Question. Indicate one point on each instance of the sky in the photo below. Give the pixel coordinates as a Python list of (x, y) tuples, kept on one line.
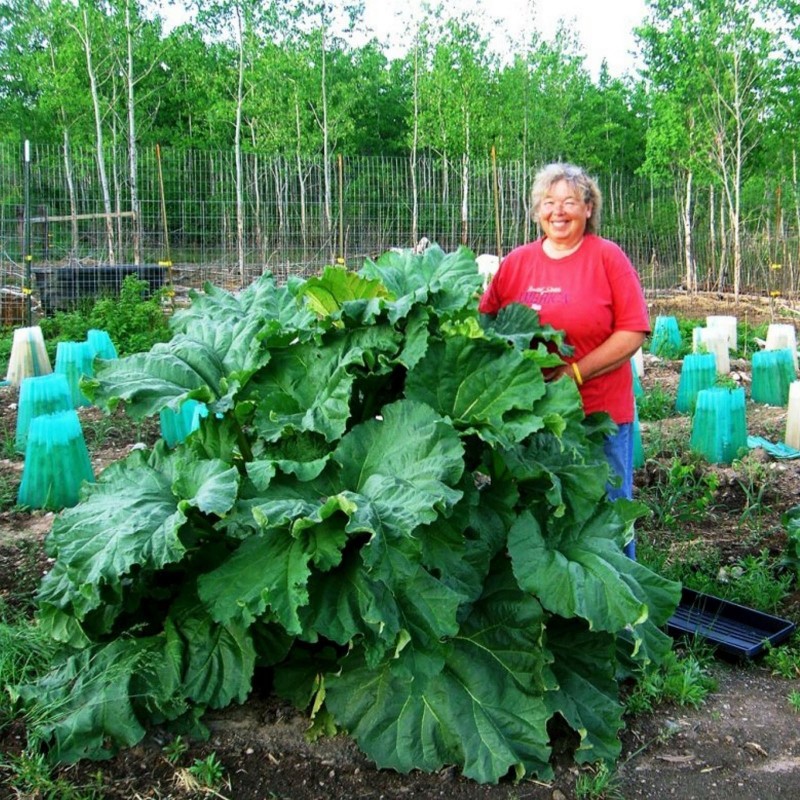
[(604, 27)]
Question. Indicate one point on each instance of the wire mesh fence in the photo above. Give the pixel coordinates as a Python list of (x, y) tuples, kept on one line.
[(192, 216)]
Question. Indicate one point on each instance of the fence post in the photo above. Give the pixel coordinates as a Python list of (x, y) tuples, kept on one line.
[(28, 290)]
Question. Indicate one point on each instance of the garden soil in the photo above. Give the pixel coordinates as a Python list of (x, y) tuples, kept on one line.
[(743, 743)]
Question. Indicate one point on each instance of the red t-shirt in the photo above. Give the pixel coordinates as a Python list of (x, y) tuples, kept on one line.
[(589, 294)]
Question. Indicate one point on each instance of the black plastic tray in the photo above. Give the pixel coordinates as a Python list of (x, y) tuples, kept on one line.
[(734, 629)]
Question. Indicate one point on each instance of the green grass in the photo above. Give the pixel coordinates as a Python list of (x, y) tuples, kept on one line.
[(599, 782), (756, 581), (25, 653), (9, 488), (656, 404), (681, 494), (683, 679), (30, 777), (785, 660), (8, 442)]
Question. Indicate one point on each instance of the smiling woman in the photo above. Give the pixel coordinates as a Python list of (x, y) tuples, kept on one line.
[(586, 286)]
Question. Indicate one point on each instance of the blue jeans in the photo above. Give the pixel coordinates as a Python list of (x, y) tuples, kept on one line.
[(618, 449)]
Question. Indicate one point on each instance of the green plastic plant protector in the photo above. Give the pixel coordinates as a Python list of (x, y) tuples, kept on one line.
[(638, 389), (75, 360), (666, 341), (42, 394), (56, 462), (698, 372), (772, 373), (719, 425), (638, 449), (101, 343), (177, 425)]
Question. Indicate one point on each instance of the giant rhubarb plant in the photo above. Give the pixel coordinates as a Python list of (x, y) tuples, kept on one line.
[(387, 511)]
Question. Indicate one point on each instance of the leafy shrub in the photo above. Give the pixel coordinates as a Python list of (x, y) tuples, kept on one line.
[(6, 342), (134, 322), (386, 504)]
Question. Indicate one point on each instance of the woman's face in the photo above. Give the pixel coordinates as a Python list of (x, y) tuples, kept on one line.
[(563, 214)]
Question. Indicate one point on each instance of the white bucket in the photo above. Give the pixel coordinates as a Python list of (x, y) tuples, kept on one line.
[(792, 437), (487, 267), (713, 340), (726, 325), (637, 359), (28, 356), (780, 337)]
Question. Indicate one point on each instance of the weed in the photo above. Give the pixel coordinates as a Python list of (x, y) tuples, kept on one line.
[(685, 495), (681, 679), (757, 481), (725, 382), (175, 750), (116, 428), (601, 783), (8, 442), (30, 776), (785, 660), (794, 700), (25, 653), (754, 581), (689, 560), (665, 441), (657, 404), (208, 771), (9, 489), (6, 344), (749, 338)]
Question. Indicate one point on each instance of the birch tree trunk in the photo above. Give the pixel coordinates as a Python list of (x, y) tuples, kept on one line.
[(413, 155), (238, 151), (465, 183), (723, 250), (68, 168), (688, 253), (86, 41), (301, 180), (326, 165), (133, 156), (73, 206)]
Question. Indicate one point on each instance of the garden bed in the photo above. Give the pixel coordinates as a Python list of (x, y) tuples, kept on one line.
[(742, 743)]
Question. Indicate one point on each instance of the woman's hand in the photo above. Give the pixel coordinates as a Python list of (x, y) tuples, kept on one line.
[(554, 373)]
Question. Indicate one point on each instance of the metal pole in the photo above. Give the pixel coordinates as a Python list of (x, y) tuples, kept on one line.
[(496, 191), (28, 288), (168, 262)]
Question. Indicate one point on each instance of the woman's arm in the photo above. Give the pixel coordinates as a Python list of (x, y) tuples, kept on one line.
[(612, 353)]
